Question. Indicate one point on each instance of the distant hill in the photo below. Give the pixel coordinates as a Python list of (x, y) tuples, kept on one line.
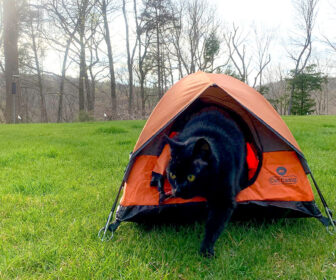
[(29, 107)]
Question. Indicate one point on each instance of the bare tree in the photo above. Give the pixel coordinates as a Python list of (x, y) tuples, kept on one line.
[(143, 68), (130, 59), (330, 42), (306, 16), (194, 37), (177, 36), (2, 68), (10, 25), (277, 94), (322, 97), (74, 16), (96, 67), (83, 10), (34, 21), (63, 75), (248, 53), (106, 8), (236, 44), (263, 57), (60, 37)]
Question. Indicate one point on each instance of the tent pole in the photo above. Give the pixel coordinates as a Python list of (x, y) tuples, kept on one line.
[(329, 213), (102, 234)]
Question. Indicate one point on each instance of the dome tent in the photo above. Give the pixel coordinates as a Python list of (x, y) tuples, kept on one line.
[(279, 185)]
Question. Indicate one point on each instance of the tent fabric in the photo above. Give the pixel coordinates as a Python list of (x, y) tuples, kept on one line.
[(188, 89), (270, 185), (280, 180)]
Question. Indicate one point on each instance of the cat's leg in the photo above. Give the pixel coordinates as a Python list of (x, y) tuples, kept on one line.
[(218, 218), (158, 181)]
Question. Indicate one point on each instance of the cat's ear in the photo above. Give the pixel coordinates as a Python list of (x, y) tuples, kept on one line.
[(174, 145), (202, 149)]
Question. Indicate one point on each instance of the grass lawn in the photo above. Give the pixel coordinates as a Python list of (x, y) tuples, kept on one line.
[(57, 186)]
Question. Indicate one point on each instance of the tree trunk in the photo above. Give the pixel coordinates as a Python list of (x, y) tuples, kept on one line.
[(91, 93), (140, 63), (291, 100), (61, 93), (10, 23), (43, 108), (82, 70), (88, 103), (129, 63), (158, 57), (111, 63)]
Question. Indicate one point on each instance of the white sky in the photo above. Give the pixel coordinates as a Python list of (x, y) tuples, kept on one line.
[(276, 16)]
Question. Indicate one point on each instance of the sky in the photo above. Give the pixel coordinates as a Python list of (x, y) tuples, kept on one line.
[(278, 17), (275, 16)]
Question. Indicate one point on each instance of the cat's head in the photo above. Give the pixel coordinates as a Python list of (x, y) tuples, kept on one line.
[(189, 169)]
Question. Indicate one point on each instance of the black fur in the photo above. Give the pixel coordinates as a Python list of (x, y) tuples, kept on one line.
[(208, 158)]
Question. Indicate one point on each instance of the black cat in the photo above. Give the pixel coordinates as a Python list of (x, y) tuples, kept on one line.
[(208, 159)]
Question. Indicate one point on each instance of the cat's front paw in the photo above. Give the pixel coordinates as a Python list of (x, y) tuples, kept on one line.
[(207, 252)]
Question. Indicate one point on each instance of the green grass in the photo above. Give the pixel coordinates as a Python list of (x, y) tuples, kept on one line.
[(57, 185)]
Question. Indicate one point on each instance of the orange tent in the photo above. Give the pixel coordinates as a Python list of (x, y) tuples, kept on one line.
[(280, 184)]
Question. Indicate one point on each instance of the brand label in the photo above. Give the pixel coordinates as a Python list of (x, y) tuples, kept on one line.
[(282, 178)]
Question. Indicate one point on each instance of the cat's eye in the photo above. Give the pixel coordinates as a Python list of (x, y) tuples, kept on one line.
[(172, 175), (191, 177)]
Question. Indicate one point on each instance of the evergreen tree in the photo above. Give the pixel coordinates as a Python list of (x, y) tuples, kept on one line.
[(304, 84), (211, 50)]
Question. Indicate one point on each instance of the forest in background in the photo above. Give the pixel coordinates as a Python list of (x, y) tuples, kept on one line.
[(163, 41)]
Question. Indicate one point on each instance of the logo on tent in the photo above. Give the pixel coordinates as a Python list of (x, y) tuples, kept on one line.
[(282, 179), (281, 170)]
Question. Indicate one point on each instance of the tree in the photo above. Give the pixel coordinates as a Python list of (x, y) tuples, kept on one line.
[(231, 72), (10, 25), (82, 11), (158, 18), (194, 41), (330, 42), (262, 43), (130, 59), (35, 30), (246, 59), (211, 50), (305, 83), (143, 67), (71, 18), (306, 12), (60, 37), (93, 42), (106, 8), (235, 42)]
